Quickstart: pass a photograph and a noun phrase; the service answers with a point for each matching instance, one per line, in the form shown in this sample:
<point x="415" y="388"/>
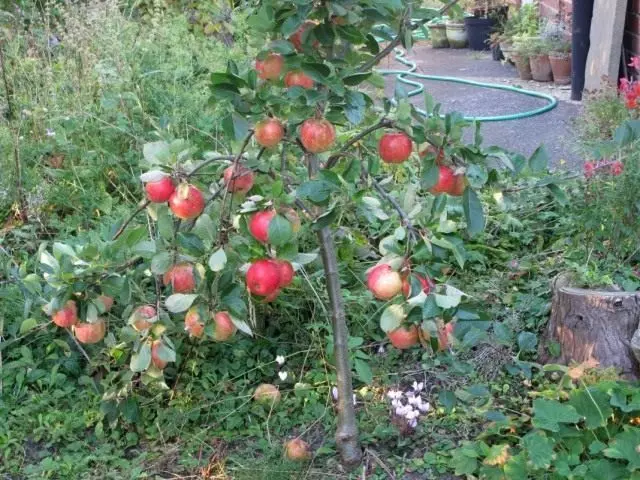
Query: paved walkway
<point x="553" y="129"/>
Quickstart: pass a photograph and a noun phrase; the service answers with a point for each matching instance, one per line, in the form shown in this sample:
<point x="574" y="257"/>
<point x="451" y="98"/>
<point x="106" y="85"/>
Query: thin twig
<point x="130" y="219"/>
<point x="406" y="221"/>
<point x="333" y="159"/>
<point x="82" y="351"/>
<point x="206" y="163"/>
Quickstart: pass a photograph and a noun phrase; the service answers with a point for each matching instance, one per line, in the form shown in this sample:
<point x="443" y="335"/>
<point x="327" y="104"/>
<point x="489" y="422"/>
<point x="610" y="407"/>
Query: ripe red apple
<point x="297" y="450"/>
<point x="296" y="38"/>
<point x="238" y="180"/>
<point x="459" y="186"/>
<point x="67" y="315"/>
<point x="395" y="147"/>
<point x="89" y="333"/>
<point x="259" y="225"/>
<point x="224" y="327"/>
<point x="263" y="277"/>
<point x="107" y="301"/>
<point x="193" y="323"/>
<point x="286" y="272"/>
<point x="298" y="79"/>
<point x="181" y="277"/>
<point x="317" y="135"/>
<point x="160" y="191"/>
<point x="404" y="337"/>
<point x="427" y="285"/>
<point x="155" y="355"/>
<point x="446" y="181"/>
<point x="384" y="282"/>
<point x="269" y="132"/>
<point x="267" y="393"/>
<point x="186" y="202"/>
<point x="141" y="316"/>
<point x="271" y="67"/>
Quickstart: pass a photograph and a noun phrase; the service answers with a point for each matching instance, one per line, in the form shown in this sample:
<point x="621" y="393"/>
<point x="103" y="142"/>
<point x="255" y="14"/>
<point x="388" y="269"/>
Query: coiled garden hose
<point x="419" y="88"/>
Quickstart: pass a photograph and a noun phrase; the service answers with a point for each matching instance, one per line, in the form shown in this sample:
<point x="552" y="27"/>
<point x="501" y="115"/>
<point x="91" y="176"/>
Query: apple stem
<point x="333" y="159"/>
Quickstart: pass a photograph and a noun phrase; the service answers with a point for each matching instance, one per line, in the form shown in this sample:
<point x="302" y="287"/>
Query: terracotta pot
<point x="561" y="67"/>
<point x="523" y="66"/>
<point x="457" y="35"/>
<point x="541" y="68"/>
<point x="438" y="34"/>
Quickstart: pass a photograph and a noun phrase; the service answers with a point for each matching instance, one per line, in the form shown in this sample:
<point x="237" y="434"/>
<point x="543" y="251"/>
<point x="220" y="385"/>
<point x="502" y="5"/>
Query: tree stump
<point x="592" y="325"/>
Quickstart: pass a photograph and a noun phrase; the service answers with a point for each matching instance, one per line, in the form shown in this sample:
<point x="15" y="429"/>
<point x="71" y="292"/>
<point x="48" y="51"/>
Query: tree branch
<point x="333" y="159"/>
<point x="206" y="163"/>
<point x="130" y="219"/>
<point x="406" y="221"/>
<point x="82" y="350"/>
<point x="8" y="90"/>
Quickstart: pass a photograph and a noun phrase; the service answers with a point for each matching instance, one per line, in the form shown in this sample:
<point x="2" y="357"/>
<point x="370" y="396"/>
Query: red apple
<point x="317" y="135"/>
<point x="286" y="272"/>
<point x="160" y="191"/>
<point x="298" y="79"/>
<point x="141" y="316"/>
<point x="269" y="132"/>
<point x="263" y="277"/>
<point x="89" y="333"/>
<point x="271" y="67"/>
<point x="395" y="147"/>
<point x="186" y="202"/>
<point x="181" y="277"/>
<point x="107" y="301"/>
<point x="239" y="179"/>
<point x="384" y="282"/>
<point x="193" y="323"/>
<point x="267" y="393"/>
<point x="404" y="337"/>
<point x="446" y="181"/>
<point x="427" y="285"/>
<point x="297" y="450"/>
<point x="67" y="315"/>
<point x="459" y="186"/>
<point x="155" y="355"/>
<point x="296" y="38"/>
<point x="224" y="327"/>
<point x="259" y="225"/>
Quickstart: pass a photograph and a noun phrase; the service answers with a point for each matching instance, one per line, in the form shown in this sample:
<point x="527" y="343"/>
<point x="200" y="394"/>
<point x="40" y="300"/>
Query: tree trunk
<point x="593" y="325"/>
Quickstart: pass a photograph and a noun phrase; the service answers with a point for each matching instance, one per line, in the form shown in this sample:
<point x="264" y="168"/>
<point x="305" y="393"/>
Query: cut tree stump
<point x="592" y="325"/>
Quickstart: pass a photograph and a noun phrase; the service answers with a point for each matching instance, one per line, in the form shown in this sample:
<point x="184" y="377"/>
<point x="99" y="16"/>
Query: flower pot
<point x="507" y="50"/>
<point x="561" y="68"/>
<point x="541" y="68"/>
<point x="438" y="34"/>
<point x="456" y="35"/>
<point x="496" y="53"/>
<point x="523" y="66"/>
<point x="478" y="30"/>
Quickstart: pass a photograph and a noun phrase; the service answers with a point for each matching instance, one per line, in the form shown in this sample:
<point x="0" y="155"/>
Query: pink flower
<point x="635" y="63"/>
<point x="625" y="85"/>
<point x="589" y="169"/>
<point x="617" y="168"/>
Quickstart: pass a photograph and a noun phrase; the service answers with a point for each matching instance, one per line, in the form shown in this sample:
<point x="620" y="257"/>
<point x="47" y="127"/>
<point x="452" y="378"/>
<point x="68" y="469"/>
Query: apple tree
<point x="312" y="146"/>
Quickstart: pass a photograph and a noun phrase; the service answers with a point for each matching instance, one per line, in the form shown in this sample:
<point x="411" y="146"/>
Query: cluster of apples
<point x="85" y="332"/>
<point x="385" y="283"/>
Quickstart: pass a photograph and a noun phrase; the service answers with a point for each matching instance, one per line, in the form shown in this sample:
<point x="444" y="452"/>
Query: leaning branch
<point x="206" y="163"/>
<point x="333" y="159"/>
<point x="406" y="221"/>
<point x="130" y="219"/>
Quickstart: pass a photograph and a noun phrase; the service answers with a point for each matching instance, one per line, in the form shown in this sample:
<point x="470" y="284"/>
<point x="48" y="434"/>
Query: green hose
<point x="402" y="74"/>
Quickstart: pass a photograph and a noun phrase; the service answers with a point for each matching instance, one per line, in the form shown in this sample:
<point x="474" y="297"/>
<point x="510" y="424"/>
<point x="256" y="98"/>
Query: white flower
<point x="334" y="393"/>
<point x="282" y="375"/>
<point x="396" y="403"/>
<point x="418" y="387"/>
<point x="424" y="407"/>
<point x="412" y="414"/>
<point x="280" y="360"/>
<point x="413" y="400"/>
<point x="50" y="133"/>
<point x="394" y="394"/>
<point x="413" y="423"/>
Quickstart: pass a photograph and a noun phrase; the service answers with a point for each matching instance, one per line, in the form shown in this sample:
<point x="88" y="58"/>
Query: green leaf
<point x="355" y="107"/>
<point x="62" y="249"/>
<point x="130" y="410"/>
<point x="49" y="260"/>
<point x="218" y="260"/>
<point x="430" y="308"/>
<point x="474" y="337"/>
<point x="280" y="230"/>
<point x="558" y="194"/>
<point x="179" y="302"/>
<point x="165" y="224"/>
<point x="160" y="263"/>
<point x="155" y="153"/>
<point x="204" y="227"/>
<point x="242" y="326"/>
<point x="28" y="324"/>
<point x="282" y="46"/>
<point x="539" y="161"/>
<point x="141" y="360"/>
<point x="625" y="446"/>
<point x="392" y="318"/>
<point x="593" y="405"/>
<point x="92" y="313"/>
<point x="539" y="449"/>
<point x="363" y="370"/>
<point x="318" y="191"/>
<point x="447" y="399"/>
<point x="549" y="414"/>
<point x="356" y="78"/>
<point x="317" y="71"/>
<point x="191" y="244"/>
<point x="235" y="126"/>
<point x="464" y="460"/>
<point x="527" y="341"/>
<point x="473" y="211"/>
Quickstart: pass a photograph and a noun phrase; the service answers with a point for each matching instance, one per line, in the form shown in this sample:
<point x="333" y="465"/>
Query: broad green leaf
<point x="473" y="211"/>
<point x="593" y="405"/>
<point x="92" y="313"/>
<point x="464" y="461"/>
<point x="218" y="260"/>
<point x="474" y="337"/>
<point x="282" y="46"/>
<point x="49" y="260"/>
<point x="539" y="161"/>
<point x="447" y="399"/>
<point x="62" y="249"/>
<point x="625" y="446"/>
<point x="527" y="341"/>
<point x="430" y="308"/>
<point x="355" y="107"/>
<point x="235" y="126"/>
<point x="497" y="455"/>
<point x="318" y="191"/>
<point x="356" y="78"/>
<point x="27" y="324"/>
<point x="447" y="301"/>
<point x="242" y="326"/>
<point x="155" y="153"/>
<point x="305" y="258"/>
<point x="161" y="262"/>
<point x="549" y="414"/>
<point x="280" y="230"/>
<point x="204" y="227"/>
<point x="539" y="449"/>
<point x="363" y="370"/>
<point x="165" y="353"/>
<point x="141" y="360"/>
<point x="179" y="302"/>
<point x="392" y="318"/>
<point x="558" y="194"/>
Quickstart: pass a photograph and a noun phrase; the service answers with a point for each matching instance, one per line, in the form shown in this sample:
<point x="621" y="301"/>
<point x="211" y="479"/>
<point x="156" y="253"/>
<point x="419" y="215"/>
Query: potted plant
<point x="438" y="32"/>
<point x="456" y="33"/>
<point x="539" y="60"/>
<point x="520" y="55"/>
<point x="484" y="14"/>
<point x="560" y="59"/>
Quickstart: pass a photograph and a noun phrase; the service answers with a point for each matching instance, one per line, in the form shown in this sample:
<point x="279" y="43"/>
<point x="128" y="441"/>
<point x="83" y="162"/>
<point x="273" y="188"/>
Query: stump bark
<point x="594" y="325"/>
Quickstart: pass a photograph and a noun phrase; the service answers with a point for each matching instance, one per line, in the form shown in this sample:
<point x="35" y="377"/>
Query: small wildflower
<point x="414" y="400"/>
<point x="418" y="387"/>
<point x="282" y="375"/>
<point x="396" y="403"/>
<point x="635" y="63"/>
<point x="334" y="393"/>
<point x="410" y="415"/>
<point x="424" y="407"/>
<point x="394" y="394"/>
<point x="413" y="423"/>
<point x="50" y="133"/>
<point x="280" y="360"/>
